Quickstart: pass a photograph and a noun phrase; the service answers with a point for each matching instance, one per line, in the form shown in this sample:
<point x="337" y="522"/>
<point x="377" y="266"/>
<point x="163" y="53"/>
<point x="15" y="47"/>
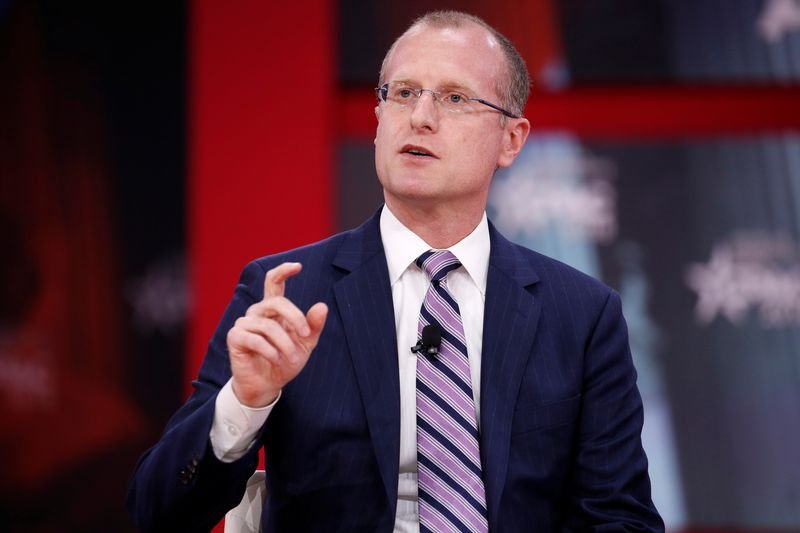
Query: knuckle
<point x="272" y="274"/>
<point x="270" y="350"/>
<point x="253" y="309"/>
<point x="234" y="337"/>
<point x="252" y="343"/>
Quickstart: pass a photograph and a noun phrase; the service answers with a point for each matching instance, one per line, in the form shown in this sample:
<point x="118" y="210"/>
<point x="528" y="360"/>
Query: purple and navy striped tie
<point x="451" y="491"/>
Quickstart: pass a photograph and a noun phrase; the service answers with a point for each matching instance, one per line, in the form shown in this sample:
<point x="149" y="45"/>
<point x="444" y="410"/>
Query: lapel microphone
<point x="429" y="342"/>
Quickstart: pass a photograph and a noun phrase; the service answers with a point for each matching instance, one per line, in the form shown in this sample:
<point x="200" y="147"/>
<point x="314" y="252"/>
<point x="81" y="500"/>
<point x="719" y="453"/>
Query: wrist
<point x="255" y="400"/>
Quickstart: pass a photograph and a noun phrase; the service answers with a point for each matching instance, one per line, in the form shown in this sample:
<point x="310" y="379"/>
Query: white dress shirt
<point x="235" y="426"/>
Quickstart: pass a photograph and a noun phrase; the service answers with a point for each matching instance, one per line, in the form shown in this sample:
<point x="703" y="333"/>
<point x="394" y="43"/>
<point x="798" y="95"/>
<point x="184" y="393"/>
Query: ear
<point x="516" y="133"/>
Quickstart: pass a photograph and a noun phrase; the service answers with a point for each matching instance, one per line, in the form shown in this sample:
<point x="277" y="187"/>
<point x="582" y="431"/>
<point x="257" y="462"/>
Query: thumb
<point x="316" y="318"/>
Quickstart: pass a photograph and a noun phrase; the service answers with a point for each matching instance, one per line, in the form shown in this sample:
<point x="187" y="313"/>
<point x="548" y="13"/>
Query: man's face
<point x="464" y="149"/>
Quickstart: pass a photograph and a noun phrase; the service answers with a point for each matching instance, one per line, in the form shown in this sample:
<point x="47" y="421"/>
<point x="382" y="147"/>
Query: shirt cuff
<point x="235" y="425"/>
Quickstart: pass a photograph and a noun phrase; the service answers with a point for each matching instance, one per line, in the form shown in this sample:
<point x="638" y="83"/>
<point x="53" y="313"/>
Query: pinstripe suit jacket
<point x="560" y="417"/>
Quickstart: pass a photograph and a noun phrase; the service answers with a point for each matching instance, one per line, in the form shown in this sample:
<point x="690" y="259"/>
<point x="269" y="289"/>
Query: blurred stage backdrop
<point x="148" y="151"/>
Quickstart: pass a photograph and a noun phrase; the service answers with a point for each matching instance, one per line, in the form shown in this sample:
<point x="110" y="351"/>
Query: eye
<point x="400" y="93"/>
<point x="454" y="98"/>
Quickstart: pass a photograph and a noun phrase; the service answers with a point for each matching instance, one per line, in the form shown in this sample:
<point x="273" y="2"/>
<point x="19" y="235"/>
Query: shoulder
<point x="554" y="271"/>
<point x="312" y="256"/>
<point x="309" y="254"/>
<point x="573" y="305"/>
<point x="323" y="261"/>
<point x="544" y="274"/>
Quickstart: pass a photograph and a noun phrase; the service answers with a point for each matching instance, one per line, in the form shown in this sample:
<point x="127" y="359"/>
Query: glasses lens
<point x="402" y="94"/>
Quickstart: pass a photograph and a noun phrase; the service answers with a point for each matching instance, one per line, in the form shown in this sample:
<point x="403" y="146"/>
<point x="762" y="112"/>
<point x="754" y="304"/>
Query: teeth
<point x="418" y="152"/>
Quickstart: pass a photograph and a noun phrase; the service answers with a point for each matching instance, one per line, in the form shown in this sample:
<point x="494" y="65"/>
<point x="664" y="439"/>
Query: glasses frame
<point x="382" y="94"/>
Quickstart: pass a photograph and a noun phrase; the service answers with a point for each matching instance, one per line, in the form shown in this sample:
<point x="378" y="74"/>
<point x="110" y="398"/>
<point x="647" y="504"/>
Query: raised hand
<point x="272" y="342"/>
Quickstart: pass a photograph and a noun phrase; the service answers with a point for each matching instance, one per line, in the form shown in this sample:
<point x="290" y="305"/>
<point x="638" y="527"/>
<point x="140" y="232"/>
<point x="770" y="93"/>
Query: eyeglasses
<point x="449" y="100"/>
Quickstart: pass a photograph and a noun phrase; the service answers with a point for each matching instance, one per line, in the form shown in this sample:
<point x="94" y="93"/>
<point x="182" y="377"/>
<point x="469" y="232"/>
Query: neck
<point x="440" y="227"/>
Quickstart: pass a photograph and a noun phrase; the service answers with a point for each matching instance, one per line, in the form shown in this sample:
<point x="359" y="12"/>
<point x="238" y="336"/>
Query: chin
<point x="417" y="197"/>
<point x="409" y="187"/>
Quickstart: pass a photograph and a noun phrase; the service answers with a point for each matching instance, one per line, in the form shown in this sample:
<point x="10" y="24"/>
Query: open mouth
<point x="417" y="151"/>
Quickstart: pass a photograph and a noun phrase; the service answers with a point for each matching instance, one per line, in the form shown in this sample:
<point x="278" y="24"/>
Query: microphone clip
<point x="429" y="350"/>
<point x="429" y="342"/>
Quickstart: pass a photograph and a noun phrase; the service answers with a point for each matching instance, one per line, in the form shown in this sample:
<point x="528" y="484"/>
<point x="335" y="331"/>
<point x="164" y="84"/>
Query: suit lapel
<point x="511" y="315"/>
<point x="364" y="301"/>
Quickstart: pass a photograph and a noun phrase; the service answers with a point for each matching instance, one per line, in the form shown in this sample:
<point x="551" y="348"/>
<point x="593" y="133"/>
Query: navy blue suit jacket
<point x="560" y="412"/>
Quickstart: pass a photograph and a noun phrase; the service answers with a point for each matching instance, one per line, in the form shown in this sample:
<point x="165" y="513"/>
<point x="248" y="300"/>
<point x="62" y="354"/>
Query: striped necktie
<point x="451" y="491"/>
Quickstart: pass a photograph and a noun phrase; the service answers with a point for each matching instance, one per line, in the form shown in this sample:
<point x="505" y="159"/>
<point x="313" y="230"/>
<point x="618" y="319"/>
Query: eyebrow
<point x="454" y="86"/>
<point x="449" y="85"/>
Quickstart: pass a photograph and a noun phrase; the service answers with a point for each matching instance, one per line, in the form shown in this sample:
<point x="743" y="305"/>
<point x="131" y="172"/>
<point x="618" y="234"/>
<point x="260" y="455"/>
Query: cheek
<point x="480" y="151"/>
<point x="382" y="149"/>
<point x="380" y="140"/>
<point x="383" y="135"/>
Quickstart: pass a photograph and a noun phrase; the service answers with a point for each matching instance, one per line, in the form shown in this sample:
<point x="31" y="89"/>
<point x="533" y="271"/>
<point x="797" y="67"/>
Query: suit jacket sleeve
<point x="610" y="486"/>
<point x="179" y="484"/>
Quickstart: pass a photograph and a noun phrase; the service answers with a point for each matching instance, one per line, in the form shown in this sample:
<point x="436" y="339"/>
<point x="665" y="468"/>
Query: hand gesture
<point x="271" y="343"/>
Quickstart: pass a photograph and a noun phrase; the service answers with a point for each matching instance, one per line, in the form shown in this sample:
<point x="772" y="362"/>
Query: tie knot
<point x="437" y="264"/>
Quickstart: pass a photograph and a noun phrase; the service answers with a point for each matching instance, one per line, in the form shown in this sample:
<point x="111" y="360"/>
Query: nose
<point x="425" y="114"/>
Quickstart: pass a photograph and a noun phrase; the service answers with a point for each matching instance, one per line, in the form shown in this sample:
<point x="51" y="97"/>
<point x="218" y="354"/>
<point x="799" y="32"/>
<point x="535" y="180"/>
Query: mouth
<point x="417" y="151"/>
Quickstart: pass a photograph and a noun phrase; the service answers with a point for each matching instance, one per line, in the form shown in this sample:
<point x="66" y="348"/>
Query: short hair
<point x="513" y="90"/>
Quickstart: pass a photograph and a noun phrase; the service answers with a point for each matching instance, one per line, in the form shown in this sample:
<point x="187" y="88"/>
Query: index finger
<point x="275" y="280"/>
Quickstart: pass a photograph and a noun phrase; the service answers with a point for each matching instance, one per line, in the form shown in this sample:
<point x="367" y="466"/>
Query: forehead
<point x="468" y="56"/>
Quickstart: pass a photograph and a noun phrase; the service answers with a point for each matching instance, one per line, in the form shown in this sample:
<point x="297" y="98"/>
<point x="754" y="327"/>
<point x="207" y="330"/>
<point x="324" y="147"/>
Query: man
<point x="528" y="418"/>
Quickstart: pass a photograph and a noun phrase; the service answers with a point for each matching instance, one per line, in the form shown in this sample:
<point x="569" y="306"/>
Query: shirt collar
<point x="402" y="247"/>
